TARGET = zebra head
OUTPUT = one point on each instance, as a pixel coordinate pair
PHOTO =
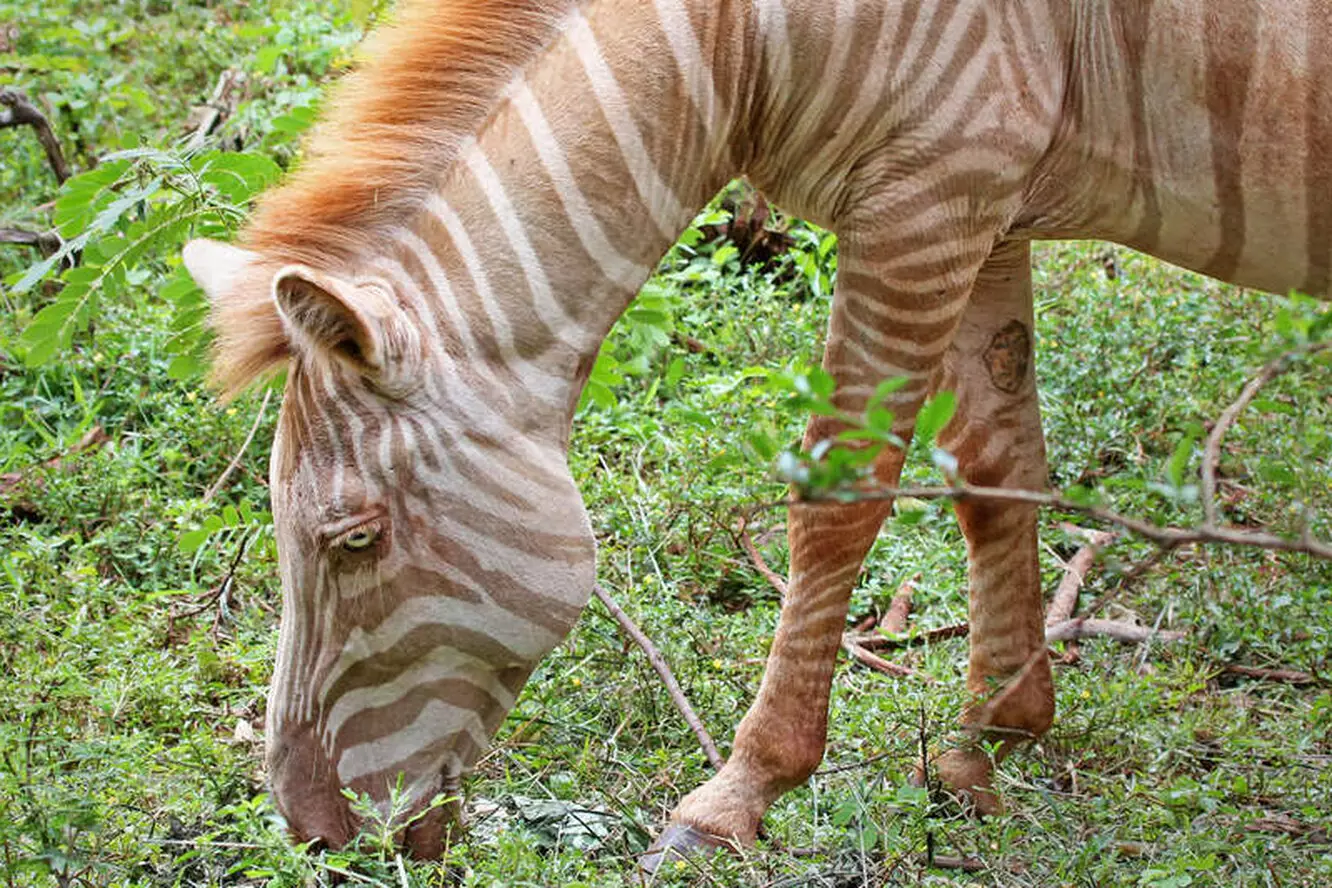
(432, 544)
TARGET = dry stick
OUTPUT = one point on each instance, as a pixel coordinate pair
(46, 241)
(1212, 451)
(17, 110)
(774, 578)
(1286, 676)
(667, 677)
(235, 460)
(1065, 599)
(1128, 633)
(894, 622)
(226, 96)
(851, 645)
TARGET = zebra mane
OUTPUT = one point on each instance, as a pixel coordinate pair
(425, 84)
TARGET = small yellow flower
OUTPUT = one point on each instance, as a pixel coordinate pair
(231, 411)
(576, 682)
(717, 664)
(1086, 694)
(680, 866)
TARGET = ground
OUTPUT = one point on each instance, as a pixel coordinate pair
(138, 618)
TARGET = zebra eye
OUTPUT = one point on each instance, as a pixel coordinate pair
(360, 539)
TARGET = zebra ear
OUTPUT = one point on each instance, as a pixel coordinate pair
(250, 339)
(359, 324)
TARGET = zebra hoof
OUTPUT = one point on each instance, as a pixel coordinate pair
(678, 842)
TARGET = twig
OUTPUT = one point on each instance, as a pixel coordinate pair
(894, 622)
(1129, 633)
(226, 95)
(17, 110)
(1212, 451)
(1284, 676)
(774, 578)
(45, 241)
(1169, 537)
(874, 661)
(664, 671)
(236, 460)
(950, 861)
(943, 633)
(1065, 598)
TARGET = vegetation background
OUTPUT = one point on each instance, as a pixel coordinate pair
(138, 616)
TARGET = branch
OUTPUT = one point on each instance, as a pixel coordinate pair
(773, 578)
(45, 241)
(1129, 633)
(1212, 451)
(17, 110)
(1168, 537)
(1066, 595)
(851, 644)
(664, 671)
(235, 460)
(205, 119)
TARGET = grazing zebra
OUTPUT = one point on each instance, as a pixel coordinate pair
(488, 192)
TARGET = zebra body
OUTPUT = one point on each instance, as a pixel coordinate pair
(500, 179)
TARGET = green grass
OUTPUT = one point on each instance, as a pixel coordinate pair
(124, 675)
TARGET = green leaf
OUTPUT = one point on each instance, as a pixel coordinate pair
(934, 415)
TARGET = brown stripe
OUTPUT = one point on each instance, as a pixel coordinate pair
(1318, 146)
(1134, 20)
(1230, 36)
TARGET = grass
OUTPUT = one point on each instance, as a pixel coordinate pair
(131, 691)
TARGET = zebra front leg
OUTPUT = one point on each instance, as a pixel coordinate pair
(780, 742)
(996, 437)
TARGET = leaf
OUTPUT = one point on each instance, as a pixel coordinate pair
(1179, 461)
(934, 415)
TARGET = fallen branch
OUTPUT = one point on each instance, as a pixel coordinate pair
(1212, 450)
(1129, 633)
(1283, 676)
(874, 661)
(899, 610)
(1065, 598)
(664, 671)
(17, 110)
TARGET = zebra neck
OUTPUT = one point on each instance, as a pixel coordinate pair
(593, 161)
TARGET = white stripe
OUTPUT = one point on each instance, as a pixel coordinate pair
(667, 213)
(624, 272)
(549, 309)
(436, 721)
(527, 642)
(439, 664)
(697, 75)
(776, 43)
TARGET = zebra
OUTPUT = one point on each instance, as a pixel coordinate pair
(488, 192)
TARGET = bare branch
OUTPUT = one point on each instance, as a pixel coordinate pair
(1066, 595)
(1169, 537)
(894, 622)
(874, 661)
(773, 578)
(1284, 676)
(45, 241)
(1212, 451)
(205, 119)
(1129, 633)
(663, 670)
(17, 110)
